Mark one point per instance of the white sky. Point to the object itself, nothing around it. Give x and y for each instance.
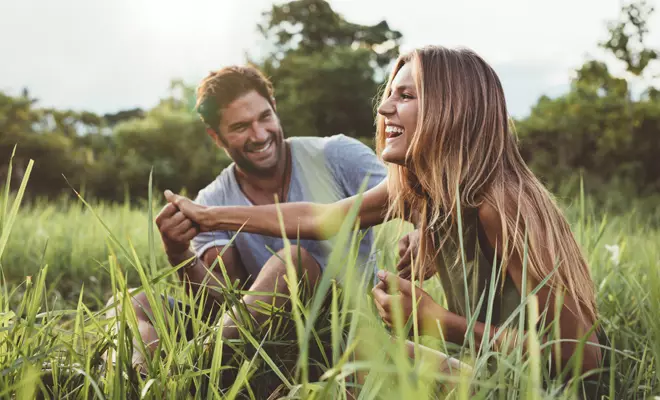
(112, 55)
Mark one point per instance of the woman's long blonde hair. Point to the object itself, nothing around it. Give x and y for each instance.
(464, 151)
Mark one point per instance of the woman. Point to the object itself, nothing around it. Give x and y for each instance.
(454, 166)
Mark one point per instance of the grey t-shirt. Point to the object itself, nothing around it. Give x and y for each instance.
(323, 170)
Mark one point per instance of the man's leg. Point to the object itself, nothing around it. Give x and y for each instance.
(271, 279)
(144, 313)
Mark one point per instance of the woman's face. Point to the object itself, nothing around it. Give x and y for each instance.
(400, 112)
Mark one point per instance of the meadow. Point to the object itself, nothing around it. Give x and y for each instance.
(61, 260)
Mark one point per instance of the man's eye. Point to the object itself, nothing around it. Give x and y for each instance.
(266, 117)
(240, 128)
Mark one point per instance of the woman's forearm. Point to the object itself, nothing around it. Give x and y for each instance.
(455, 330)
(304, 220)
(300, 220)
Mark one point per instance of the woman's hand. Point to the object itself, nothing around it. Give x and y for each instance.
(193, 211)
(408, 252)
(429, 313)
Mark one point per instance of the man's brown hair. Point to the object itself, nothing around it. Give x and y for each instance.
(221, 87)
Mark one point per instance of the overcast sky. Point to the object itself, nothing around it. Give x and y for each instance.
(112, 55)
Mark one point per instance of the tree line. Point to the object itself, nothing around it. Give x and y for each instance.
(327, 73)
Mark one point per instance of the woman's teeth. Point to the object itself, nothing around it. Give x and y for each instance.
(395, 130)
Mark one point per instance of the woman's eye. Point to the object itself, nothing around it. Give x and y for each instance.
(406, 96)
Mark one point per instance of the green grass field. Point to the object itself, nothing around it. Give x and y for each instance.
(61, 261)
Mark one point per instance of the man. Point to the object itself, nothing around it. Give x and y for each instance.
(238, 108)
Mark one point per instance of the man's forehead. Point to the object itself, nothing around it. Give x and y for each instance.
(248, 106)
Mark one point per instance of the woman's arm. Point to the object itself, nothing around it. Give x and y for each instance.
(301, 219)
(432, 316)
(434, 320)
(571, 326)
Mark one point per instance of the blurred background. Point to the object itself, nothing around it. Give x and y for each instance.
(101, 92)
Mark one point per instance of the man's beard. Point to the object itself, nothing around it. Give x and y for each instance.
(249, 167)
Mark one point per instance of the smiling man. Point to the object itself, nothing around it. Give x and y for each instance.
(238, 107)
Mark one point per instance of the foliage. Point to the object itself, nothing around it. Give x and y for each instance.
(52, 344)
(326, 72)
(600, 128)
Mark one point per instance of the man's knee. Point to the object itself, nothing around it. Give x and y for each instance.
(301, 260)
(139, 302)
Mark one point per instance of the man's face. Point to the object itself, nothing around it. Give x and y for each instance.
(251, 134)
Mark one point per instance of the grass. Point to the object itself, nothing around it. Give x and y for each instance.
(62, 260)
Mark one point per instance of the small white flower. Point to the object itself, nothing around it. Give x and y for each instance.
(615, 252)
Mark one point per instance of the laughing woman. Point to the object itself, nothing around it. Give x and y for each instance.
(453, 161)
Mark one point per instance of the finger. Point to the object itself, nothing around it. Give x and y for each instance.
(166, 212)
(405, 260)
(169, 225)
(384, 315)
(382, 298)
(382, 276)
(379, 308)
(405, 273)
(394, 281)
(403, 285)
(175, 199)
(190, 234)
(404, 243)
(169, 196)
(387, 319)
(389, 279)
(183, 226)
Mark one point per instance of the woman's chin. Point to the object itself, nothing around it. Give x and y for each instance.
(393, 156)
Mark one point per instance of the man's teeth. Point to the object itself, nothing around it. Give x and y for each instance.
(262, 149)
(393, 129)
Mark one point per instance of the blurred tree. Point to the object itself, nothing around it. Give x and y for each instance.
(627, 36)
(326, 70)
(48, 136)
(312, 26)
(171, 139)
(597, 128)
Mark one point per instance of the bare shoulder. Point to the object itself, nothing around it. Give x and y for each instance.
(491, 222)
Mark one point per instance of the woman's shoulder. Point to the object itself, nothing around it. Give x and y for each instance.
(490, 220)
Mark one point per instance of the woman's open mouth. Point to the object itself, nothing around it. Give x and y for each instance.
(393, 131)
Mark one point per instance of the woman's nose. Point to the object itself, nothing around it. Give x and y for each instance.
(386, 108)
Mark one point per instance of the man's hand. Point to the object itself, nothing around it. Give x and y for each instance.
(176, 231)
(409, 251)
(191, 210)
(393, 289)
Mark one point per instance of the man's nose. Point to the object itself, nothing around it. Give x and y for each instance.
(259, 133)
